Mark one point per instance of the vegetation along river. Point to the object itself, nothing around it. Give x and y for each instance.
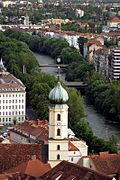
(101, 125)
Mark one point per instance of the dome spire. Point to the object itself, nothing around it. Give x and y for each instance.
(58, 74)
(58, 95)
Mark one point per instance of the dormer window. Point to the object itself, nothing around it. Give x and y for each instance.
(58, 117)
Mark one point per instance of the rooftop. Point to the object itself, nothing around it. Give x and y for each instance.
(69, 171)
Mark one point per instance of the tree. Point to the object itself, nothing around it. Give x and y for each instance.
(76, 110)
(81, 41)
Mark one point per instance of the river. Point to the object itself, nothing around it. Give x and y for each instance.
(101, 125)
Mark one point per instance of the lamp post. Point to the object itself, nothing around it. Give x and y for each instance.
(58, 61)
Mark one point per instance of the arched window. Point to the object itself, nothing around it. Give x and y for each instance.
(58, 117)
(58, 147)
(58, 156)
(58, 132)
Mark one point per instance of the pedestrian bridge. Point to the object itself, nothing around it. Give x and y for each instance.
(54, 65)
(76, 84)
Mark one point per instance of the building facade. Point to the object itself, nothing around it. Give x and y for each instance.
(12, 98)
(115, 64)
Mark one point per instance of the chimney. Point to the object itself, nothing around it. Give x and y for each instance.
(33, 157)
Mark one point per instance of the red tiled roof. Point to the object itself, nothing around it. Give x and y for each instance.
(33, 168)
(13, 154)
(106, 163)
(72, 147)
(41, 133)
(115, 19)
(68, 170)
(90, 42)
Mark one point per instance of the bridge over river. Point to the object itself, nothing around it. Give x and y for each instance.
(53, 65)
(75, 84)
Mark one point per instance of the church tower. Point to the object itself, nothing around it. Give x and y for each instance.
(58, 125)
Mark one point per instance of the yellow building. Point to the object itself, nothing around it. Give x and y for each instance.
(58, 125)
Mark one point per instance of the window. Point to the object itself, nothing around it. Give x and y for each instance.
(58, 117)
(72, 159)
(22, 118)
(6, 101)
(9, 119)
(58, 132)
(6, 107)
(58, 147)
(19, 118)
(16, 101)
(9, 101)
(58, 156)
(22, 100)
(13, 101)
(9, 113)
(6, 113)
(3, 101)
(3, 119)
(22, 107)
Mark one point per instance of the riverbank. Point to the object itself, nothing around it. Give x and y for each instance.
(101, 125)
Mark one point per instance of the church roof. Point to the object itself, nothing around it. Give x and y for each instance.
(58, 95)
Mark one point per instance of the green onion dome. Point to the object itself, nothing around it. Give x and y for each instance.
(58, 95)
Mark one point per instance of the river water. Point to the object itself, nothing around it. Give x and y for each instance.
(101, 125)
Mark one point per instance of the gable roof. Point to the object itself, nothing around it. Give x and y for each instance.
(72, 147)
(115, 19)
(106, 163)
(69, 171)
(33, 168)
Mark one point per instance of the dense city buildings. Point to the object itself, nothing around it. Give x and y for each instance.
(12, 98)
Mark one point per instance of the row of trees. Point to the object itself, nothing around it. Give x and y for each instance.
(38, 86)
(49, 46)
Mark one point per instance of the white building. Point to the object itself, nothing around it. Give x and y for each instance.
(12, 98)
(79, 13)
(115, 64)
(8, 3)
(26, 20)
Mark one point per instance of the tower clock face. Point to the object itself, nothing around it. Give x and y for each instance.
(58, 123)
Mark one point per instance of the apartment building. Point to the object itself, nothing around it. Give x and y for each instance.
(12, 98)
(115, 64)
